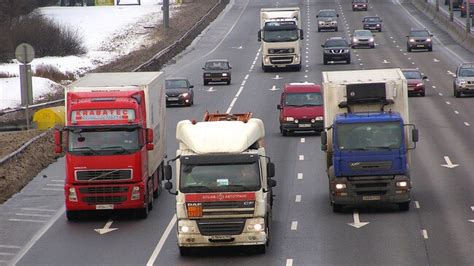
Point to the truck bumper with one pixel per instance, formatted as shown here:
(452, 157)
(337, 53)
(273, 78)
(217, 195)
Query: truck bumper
(244, 239)
(104, 197)
(281, 61)
(370, 192)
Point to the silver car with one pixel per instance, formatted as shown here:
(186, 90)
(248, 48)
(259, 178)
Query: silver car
(362, 38)
(464, 79)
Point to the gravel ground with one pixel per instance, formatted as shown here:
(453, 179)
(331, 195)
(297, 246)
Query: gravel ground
(16, 173)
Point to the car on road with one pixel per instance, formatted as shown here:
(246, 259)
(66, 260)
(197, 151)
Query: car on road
(179, 91)
(360, 5)
(419, 39)
(301, 108)
(463, 82)
(463, 8)
(415, 81)
(372, 23)
(336, 49)
(363, 38)
(456, 3)
(327, 19)
(217, 70)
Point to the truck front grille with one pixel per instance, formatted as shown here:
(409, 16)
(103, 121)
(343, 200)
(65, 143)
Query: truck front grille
(102, 190)
(221, 226)
(101, 175)
(279, 51)
(94, 200)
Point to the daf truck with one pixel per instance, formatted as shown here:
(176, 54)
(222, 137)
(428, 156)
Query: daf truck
(115, 142)
(281, 37)
(368, 137)
(224, 183)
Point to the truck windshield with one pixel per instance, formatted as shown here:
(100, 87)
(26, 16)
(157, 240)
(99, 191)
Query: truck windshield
(103, 141)
(219, 178)
(304, 99)
(369, 136)
(280, 35)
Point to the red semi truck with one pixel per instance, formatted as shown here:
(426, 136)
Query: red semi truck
(114, 142)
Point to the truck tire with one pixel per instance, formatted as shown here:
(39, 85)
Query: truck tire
(264, 68)
(408, 49)
(337, 208)
(143, 212)
(72, 215)
(160, 174)
(404, 206)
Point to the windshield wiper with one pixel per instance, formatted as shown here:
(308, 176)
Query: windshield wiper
(122, 149)
(86, 148)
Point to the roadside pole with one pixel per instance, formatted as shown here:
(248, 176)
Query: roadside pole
(166, 14)
(25, 53)
(451, 12)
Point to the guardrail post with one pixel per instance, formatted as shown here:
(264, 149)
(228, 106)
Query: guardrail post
(451, 12)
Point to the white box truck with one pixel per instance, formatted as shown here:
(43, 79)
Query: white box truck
(281, 37)
(368, 137)
(224, 183)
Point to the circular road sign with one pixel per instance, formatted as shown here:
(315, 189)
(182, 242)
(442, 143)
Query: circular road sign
(24, 53)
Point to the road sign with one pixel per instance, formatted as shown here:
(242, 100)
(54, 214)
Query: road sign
(25, 53)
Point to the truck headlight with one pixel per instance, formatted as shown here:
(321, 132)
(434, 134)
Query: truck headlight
(186, 227)
(289, 118)
(135, 193)
(271, 51)
(224, 74)
(256, 225)
(402, 184)
(340, 186)
(319, 118)
(72, 194)
(291, 50)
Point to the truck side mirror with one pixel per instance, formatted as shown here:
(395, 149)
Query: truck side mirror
(270, 170)
(272, 183)
(149, 135)
(259, 36)
(324, 140)
(58, 141)
(168, 186)
(301, 35)
(168, 172)
(278, 107)
(414, 135)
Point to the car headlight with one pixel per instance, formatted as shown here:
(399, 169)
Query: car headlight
(319, 118)
(346, 50)
(321, 23)
(378, 25)
(186, 94)
(355, 40)
(289, 119)
(224, 74)
(412, 40)
(428, 40)
(186, 227)
(461, 82)
(256, 225)
(371, 40)
(420, 84)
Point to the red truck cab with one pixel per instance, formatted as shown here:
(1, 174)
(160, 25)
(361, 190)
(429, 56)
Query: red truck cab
(301, 108)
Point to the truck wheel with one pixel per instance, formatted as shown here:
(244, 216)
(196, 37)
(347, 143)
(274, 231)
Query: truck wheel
(261, 249)
(319, 30)
(184, 251)
(143, 213)
(404, 206)
(337, 208)
(264, 68)
(72, 215)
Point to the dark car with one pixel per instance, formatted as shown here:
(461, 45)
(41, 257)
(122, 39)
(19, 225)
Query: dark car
(360, 5)
(301, 108)
(415, 81)
(463, 82)
(362, 38)
(456, 3)
(336, 49)
(217, 70)
(419, 39)
(372, 23)
(179, 91)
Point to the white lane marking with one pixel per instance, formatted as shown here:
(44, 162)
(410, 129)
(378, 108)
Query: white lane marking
(243, 83)
(302, 140)
(160, 244)
(300, 176)
(417, 204)
(277, 77)
(409, 58)
(456, 112)
(301, 157)
(401, 50)
(425, 233)
(274, 88)
(361, 64)
(289, 262)
(386, 62)
(307, 65)
(440, 94)
(246, 77)
(306, 71)
(55, 185)
(412, 63)
(298, 198)
(10, 246)
(434, 87)
(467, 124)
(38, 209)
(57, 180)
(448, 102)
(238, 92)
(26, 220)
(391, 37)
(7, 254)
(404, 53)
(235, 99)
(435, 60)
(357, 223)
(306, 76)
(53, 189)
(472, 208)
(294, 225)
(306, 61)
(211, 89)
(254, 62)
(106, 229)
(32, 214)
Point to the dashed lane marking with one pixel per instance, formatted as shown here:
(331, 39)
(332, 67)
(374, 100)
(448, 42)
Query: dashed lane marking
(456, 112)
(448, 103)
(424, 233)
(417, 204)
(294, 225)
(33, 215)
(302, 140)
(26, 220)
(289, 262)
(440, 94)
(467, 124)
(301, 157)
(10, 246)
(300, 176)
(298, 198)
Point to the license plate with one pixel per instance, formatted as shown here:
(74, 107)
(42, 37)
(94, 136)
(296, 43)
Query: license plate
(420, 45)
(304, 125)
(371, 198)
(104, 207)
(221, 238)
(216, 79)
(173, 98)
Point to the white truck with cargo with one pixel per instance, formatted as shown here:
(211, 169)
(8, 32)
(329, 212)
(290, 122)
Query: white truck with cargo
(367, 137)
(281, 37)
(224, 183)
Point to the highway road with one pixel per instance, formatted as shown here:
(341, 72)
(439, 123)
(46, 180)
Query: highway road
(436, 231)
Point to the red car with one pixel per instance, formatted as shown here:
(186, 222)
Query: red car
(301, 108)
(415, 80)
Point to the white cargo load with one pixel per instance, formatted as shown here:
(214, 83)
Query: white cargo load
(282, 13)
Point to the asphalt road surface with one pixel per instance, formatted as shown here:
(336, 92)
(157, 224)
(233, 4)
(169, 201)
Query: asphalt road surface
(436, 231)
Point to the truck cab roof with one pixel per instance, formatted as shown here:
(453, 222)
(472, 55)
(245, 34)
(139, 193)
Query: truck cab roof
(350, 118)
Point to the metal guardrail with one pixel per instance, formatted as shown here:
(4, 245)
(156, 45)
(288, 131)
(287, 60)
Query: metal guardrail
(22, 148)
